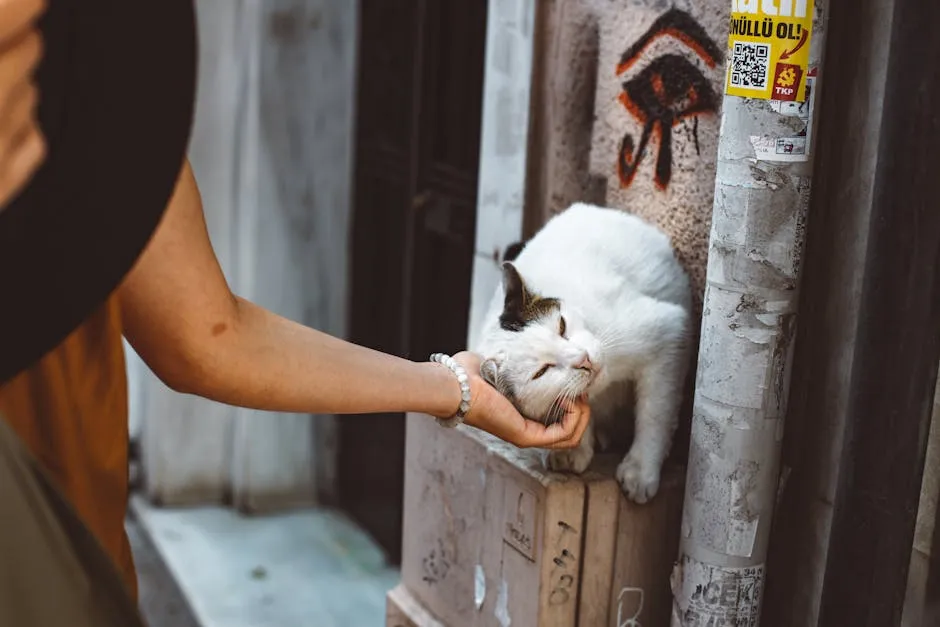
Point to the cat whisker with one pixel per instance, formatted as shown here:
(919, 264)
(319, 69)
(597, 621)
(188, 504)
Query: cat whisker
(610, 332)
(550, 416)
(558, 406)
(550, 412)
(616, 342)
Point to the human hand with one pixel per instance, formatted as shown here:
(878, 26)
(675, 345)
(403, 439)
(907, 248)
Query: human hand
(22, 146)
(493, 413)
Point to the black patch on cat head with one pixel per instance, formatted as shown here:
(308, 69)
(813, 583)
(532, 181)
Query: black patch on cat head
(513, 250)
(521, 305)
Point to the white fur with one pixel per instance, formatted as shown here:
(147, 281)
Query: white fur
(626, 302)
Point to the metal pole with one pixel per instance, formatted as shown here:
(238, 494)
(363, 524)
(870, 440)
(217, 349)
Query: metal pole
(897, 342)
(765, 161)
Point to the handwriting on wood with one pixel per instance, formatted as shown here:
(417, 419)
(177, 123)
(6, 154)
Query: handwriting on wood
(520, 521)
(632, 599)
(436, 564)
(564, 571)
(562, 578)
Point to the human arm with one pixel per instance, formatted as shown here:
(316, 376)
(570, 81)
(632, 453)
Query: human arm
(199, 338)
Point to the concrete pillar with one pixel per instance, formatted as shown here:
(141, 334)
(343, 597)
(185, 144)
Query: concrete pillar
(272, 152)
(504, 155)
(920, 606)
(295, 178)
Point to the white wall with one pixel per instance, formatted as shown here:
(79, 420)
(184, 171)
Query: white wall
(272, 152)
(503, 146)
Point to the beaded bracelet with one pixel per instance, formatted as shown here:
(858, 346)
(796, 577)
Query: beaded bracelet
(464, 381)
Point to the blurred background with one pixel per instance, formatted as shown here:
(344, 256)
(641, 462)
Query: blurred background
(323, 128)
(366, 164)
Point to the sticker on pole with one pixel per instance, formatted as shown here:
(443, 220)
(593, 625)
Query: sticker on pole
(768, 46)
(796, 145)
(712, 595)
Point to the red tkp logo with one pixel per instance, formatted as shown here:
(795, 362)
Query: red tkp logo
(787, 78)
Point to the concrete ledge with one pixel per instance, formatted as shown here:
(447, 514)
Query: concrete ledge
(307, 567)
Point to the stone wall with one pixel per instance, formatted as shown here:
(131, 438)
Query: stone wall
(627, 113)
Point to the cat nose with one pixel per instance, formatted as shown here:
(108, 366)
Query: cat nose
(584, 363)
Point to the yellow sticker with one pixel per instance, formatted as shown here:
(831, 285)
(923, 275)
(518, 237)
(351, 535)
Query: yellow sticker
(768, 49)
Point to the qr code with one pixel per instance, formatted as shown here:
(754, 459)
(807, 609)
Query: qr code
(750, 65)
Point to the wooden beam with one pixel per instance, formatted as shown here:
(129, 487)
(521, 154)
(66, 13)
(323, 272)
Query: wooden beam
(897, 341)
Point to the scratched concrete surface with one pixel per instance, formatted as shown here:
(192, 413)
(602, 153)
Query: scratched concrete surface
(161, 602)
(307, 567)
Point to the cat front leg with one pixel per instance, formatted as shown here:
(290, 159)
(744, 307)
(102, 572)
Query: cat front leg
(574, 460)
(659, 388)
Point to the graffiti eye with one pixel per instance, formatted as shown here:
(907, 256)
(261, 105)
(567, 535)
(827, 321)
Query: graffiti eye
(669, 89)
(562, 326)
(541, 371)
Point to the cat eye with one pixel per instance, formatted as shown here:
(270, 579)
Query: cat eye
(541, 371)
(562, 326)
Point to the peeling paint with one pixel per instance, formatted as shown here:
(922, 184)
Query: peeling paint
(479, 587)
(756, 336)
(501, 612)
(768, 319)
(782, 485)
(710, 595)
(748, 302)
(781, 361)
(767, 177)
(743, 518)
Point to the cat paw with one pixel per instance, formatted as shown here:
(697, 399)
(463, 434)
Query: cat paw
(639, 481)
(575, 460)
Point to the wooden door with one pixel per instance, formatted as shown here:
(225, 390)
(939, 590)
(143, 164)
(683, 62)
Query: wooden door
(419, 114)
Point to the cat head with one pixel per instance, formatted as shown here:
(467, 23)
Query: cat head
(541, 354)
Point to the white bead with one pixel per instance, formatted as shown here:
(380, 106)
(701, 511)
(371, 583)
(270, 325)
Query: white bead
(463, 380)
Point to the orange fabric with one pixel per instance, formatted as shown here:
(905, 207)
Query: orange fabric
(70, 409)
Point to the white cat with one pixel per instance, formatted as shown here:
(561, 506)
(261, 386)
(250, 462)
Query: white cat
(595, 303)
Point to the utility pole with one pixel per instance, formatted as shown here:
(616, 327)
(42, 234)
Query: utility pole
(765, 163)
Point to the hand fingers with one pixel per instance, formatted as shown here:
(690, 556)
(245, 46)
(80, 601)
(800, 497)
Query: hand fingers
(565, 434)
(19, 61)
(17, 117)
(584, 420)
(17, 16)
(572, 427)
(22, 146)
(21, 163)
(470, 361)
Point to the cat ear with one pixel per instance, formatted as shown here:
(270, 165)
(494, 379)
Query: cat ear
(516, 296)
(513, 286)
(521, 305)
(489, 370)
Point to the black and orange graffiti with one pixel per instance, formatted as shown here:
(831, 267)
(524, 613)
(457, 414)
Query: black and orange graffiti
(669, 89)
